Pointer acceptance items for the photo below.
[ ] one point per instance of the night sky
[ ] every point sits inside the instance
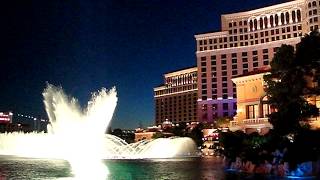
(84, 45)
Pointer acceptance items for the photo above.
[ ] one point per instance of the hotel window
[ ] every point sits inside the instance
(295, 35)
(254, 52)
(235, 31)
(200, 42)
(214, 79)
(315, 19)
(244, 53)
(224, 73)
(245, 71)
(225, 45)
(245, 66)
(224, 68)
(203, 64)
(214, 85)
(277, 38)
(205, 42)
(225, 39)
(255, 64)
(213, 68)
(230, 24)
(314, 3)
(224, 61)
(241, 30)
(310, 13)
(203, 69)
(288, 29)
(224, 84)
(201, 48)
(244, 59)
(234, 61)
(265, 51)
(266, 33)
(234, 55)
(261, 34)
(224, 78)
(220, 40)
(214, 40)
(255, 35)
(234, 23)
(203, 58)
(223, 56)
(241, 37)
(230, 31)
(266, 62)
(224, 90)
(225, 106)
(213, 62)
(234, 72)
(246, 37)
(230, 38)
(265, 56)
(252, 111)
(299, 27)
(255, 58)
(234, 66)
(272, 32)
(272, 38)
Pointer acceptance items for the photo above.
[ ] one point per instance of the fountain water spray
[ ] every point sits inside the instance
(78, 136)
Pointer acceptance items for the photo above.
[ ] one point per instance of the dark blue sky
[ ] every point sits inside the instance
(84, 45)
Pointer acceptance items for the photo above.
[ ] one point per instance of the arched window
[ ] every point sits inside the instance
(293, 14)
(282, 18)
(251, 25)
(276, 19)
(265, 20)
(309, 5)
(299, 15)
(314, 3)
(271, 21)
(255, 23)
(261, 23)
(287, 17)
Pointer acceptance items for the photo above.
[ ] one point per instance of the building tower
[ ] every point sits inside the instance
(176, 100)
(247, 41)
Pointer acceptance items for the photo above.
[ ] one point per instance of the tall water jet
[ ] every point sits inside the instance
(80, 131)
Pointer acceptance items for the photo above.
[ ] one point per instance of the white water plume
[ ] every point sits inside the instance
(78, 136)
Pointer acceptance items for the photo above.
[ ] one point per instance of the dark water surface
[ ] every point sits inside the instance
(190, 168)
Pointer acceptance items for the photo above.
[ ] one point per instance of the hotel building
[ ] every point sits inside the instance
(247, 41)
(176, 100)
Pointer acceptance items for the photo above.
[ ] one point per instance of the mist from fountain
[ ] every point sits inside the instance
(78, 136)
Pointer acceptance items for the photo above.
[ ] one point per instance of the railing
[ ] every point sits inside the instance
(256, 121)
(249, 122)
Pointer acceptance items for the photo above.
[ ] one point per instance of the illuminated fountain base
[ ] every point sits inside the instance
(43, 145)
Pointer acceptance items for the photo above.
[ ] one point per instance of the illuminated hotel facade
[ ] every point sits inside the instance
(176, 100)
(247, 41)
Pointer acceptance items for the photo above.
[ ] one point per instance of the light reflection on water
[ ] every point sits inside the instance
(192, 168)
